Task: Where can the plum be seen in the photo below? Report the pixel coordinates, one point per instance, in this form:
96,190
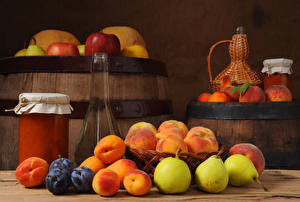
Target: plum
82,178
58,181
62,164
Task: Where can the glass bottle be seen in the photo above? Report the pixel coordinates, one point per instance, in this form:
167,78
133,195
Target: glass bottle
99,120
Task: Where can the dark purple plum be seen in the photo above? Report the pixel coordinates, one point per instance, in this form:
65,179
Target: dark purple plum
62,164
58,181
82,178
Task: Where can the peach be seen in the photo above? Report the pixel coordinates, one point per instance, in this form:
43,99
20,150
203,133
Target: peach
201,139
225,82
170,124
122,167
106,182
203,97
279,93
142,125
93,163
170,131
171,144
252,152
32,172
141,138
219,96
137,182
234,96
253,94
109,149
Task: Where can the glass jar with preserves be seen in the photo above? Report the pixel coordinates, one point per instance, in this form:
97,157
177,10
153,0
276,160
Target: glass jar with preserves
277,72
43,125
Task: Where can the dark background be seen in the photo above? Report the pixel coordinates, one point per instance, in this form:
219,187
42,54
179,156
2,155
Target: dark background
177,32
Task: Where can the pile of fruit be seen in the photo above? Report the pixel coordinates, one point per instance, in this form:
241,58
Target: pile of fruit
115,41
108,170
246,93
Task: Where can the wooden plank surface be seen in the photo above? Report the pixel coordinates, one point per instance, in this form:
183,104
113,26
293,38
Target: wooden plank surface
283,185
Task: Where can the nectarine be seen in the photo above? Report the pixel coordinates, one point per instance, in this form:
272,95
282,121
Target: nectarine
171,144
279,93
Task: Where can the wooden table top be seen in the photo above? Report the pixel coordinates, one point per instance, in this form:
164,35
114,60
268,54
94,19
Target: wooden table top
283,185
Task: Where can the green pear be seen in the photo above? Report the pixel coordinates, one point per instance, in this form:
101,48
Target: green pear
21,52
81,49
241,171
211,175
34,50
172,176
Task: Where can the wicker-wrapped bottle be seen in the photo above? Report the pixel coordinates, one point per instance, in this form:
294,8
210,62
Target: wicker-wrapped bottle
238,70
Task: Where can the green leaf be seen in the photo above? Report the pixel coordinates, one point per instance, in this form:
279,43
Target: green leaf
234,89
244,88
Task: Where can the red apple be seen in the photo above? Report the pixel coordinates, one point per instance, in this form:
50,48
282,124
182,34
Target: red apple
252,152
66,49
100,42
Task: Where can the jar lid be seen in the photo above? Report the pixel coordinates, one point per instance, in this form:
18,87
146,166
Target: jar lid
278,65
44,103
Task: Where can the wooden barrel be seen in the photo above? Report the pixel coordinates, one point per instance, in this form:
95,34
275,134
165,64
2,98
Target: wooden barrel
137,90
273,127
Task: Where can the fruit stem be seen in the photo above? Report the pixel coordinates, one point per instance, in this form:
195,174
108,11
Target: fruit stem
34,41
177,153
260,183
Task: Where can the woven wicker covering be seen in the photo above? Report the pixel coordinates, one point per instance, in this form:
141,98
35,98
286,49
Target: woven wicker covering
147,160
238,69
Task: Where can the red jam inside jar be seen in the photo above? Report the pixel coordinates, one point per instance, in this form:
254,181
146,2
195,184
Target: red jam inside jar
277,79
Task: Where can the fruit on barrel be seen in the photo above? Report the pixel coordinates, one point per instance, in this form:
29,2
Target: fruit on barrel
62,164
106,182
82,178
211,175
171,124
93,163
171,144
81,49
141,138
137,182
32,172
65,49
253,94
225,82
278,93
172,176
218,96
58,180
21,52
203,97
233,96
128,36
201,139
109,149
101,42
46,37
34,50
252,152
136,51
241,170
122,167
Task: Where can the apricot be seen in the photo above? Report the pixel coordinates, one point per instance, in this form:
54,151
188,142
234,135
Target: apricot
137,182
201,139
106,182
170,124
279,93
93,163
203,97
32,172
110,148
219,96
122,167
141,138
171,144
253,94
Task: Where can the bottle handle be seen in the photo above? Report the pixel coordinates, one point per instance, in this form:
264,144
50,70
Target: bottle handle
209,57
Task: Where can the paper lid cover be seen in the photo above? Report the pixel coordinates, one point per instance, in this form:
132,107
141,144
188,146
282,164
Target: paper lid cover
277,65
44,103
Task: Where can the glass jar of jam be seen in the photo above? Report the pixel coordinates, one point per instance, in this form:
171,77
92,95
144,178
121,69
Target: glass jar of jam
277,72
43,125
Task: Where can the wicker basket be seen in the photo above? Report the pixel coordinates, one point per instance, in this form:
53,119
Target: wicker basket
238,70
147,160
